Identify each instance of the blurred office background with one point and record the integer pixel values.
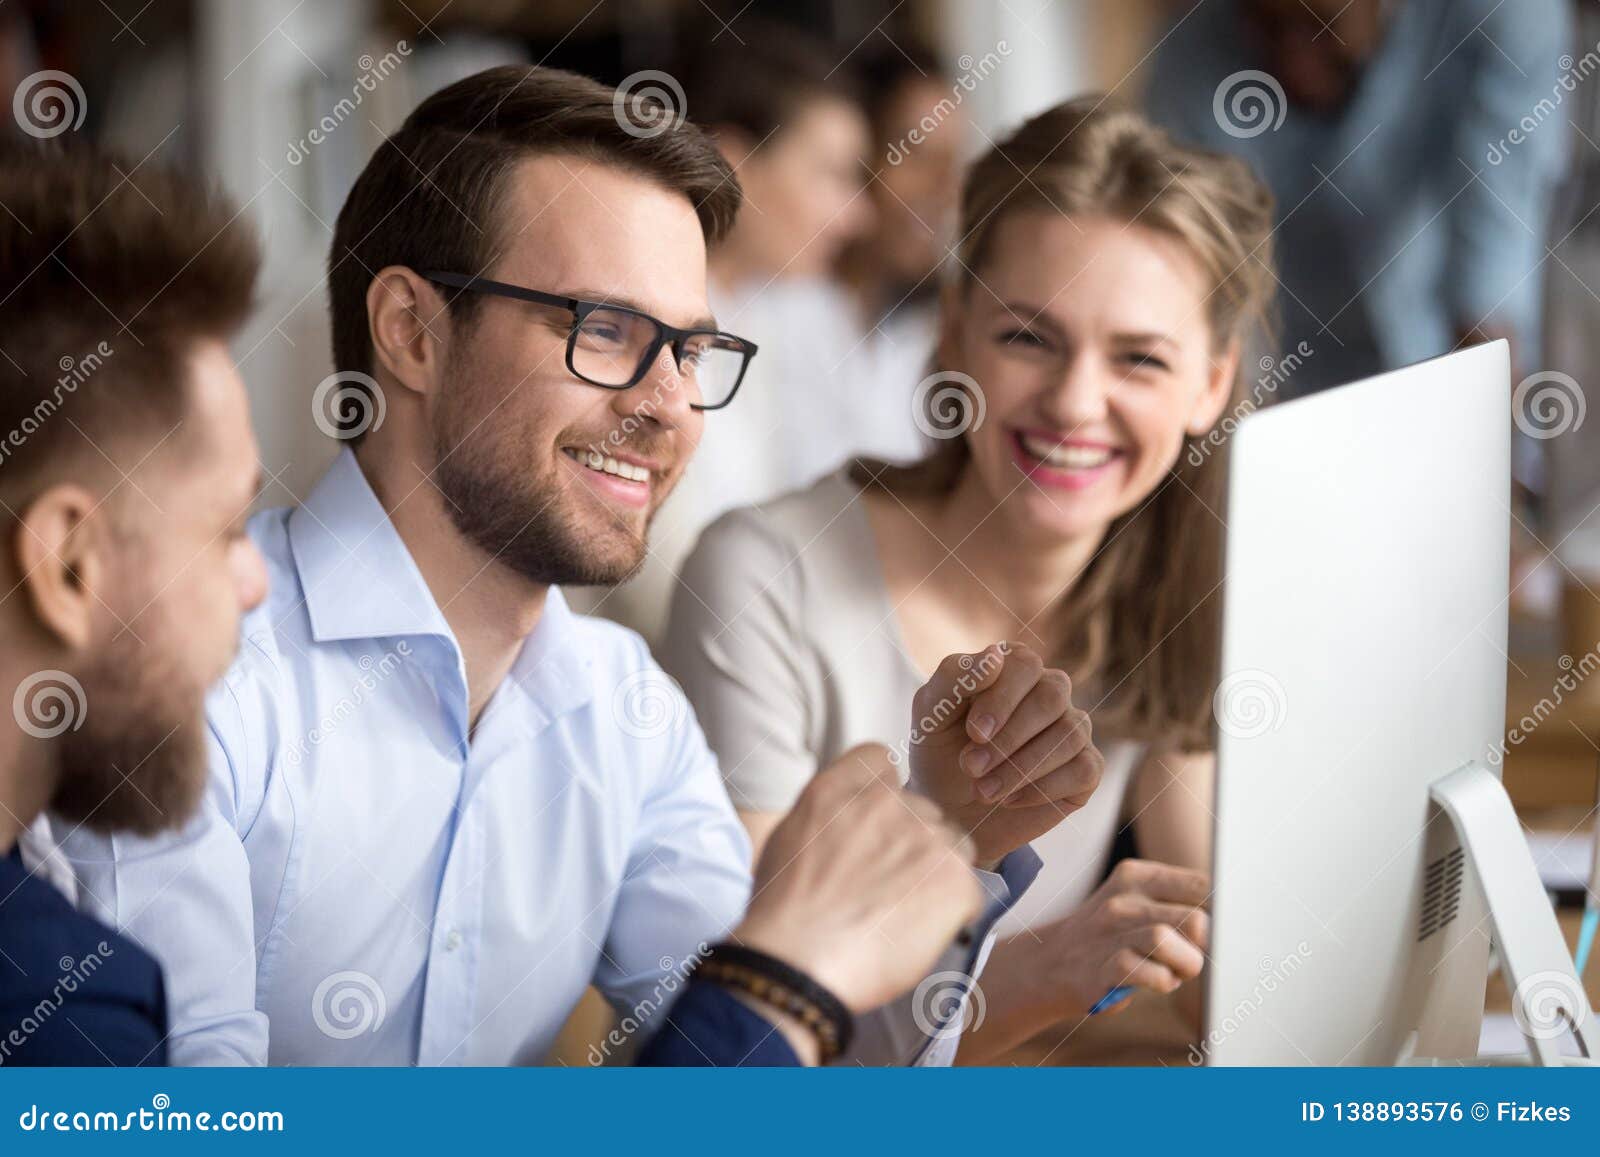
(236, 87)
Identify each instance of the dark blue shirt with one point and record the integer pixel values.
(709, 1027)
(72, 991)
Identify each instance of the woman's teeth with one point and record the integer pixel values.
(1066, 457)
(595, 460)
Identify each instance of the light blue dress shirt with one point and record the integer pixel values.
(379, 889)
(369, 884)
(1408, 212)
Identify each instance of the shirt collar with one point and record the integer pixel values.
(360, 582)
(358, 578)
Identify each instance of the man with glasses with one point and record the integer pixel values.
(442, 804)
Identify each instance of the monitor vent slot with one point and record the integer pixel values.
(1441, 892)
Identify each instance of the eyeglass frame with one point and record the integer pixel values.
(581, 308)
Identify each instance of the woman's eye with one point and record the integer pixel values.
(1144, 361)
(1021, 337)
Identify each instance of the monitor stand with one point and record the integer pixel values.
(1547, 996)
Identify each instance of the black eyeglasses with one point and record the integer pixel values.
(613, 346)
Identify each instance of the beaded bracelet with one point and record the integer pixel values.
(773, 982)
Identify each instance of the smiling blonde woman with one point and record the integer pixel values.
(1108, 279)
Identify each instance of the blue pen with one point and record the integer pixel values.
(1591, 904)
(1116, 996)
(1586, 932)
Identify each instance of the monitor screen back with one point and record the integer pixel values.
(1368, 538)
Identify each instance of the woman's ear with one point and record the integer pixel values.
(405, 316)
(1213, 398)
(59, 549)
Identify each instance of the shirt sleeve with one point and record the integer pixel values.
(709, 1027)
(925, 1028)
(687, 878)
(734, 643)
(186, 899)
(1499, 223)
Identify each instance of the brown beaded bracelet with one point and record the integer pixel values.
(773, 982)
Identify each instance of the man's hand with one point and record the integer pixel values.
(997, 743)
(862, 885)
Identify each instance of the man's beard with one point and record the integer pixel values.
(500, 506)
(137, 763)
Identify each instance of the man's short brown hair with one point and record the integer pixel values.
(427, 199)
(109, 272)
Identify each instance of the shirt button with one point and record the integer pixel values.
(452, 941)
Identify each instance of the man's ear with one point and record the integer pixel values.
(406, 319)
(1213, 399)
(61, 550)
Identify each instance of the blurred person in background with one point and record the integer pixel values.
(1108, 281)
(784, 111)
(920, 131)
(1408, 221)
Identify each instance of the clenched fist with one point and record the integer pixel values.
(997, 742)
(862, 885)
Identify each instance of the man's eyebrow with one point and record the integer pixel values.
(706, 321)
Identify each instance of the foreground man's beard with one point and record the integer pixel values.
(504, 512)
(138, 763)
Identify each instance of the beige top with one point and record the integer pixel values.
(783, 635)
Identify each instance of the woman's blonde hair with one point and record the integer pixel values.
(1142, 623)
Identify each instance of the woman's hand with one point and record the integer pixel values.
(997, 742)
(1145, 926)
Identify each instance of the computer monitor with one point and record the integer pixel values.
(1363, 659)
